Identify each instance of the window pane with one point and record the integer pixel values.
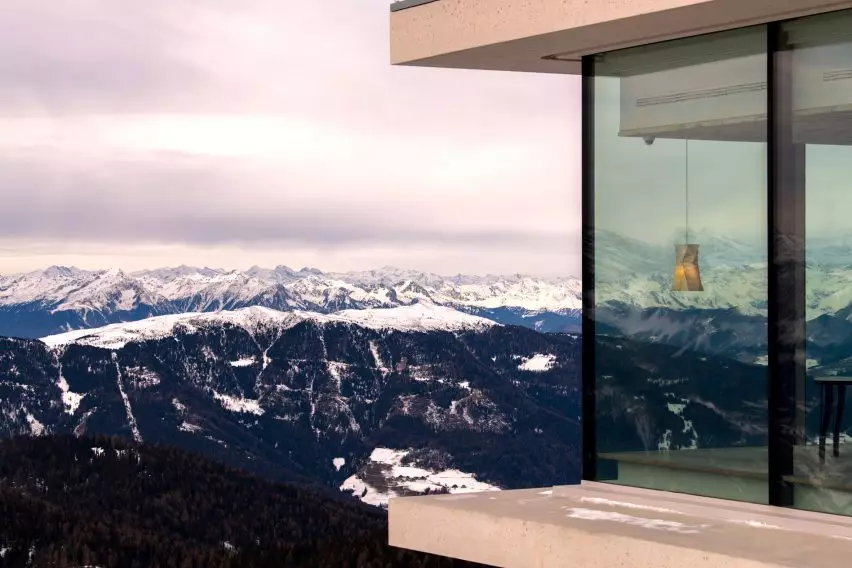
(821, 52)
(681, 265)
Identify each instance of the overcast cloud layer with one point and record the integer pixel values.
(232, 133)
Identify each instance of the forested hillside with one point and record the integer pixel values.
(68, 501)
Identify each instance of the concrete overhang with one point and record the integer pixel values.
(595, 525)
(550, 36)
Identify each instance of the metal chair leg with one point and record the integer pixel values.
(840, 406)
(827, 401)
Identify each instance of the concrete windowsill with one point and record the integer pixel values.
(596, 525)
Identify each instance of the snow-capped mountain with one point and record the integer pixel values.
(61, 299)
(311, 395)
(254, 319)
(630, 274)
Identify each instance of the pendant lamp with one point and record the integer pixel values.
(687, 275)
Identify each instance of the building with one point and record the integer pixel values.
(717, 185)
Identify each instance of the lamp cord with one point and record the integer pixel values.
(687, 193)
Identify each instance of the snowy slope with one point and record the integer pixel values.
(416, 317)
(116, 336)
(419, 317)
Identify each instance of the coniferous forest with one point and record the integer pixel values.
(108, 502)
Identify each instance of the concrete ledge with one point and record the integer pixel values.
(518, 35)
(604, 526)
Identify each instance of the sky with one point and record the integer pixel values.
(265, 132)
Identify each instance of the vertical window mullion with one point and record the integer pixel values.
(786, 240)
(589, 438)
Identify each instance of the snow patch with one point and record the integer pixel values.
(71, 400)
(626, 505)
(191, 428)
(755, 524)
(421, 374)
(374, 349)
(237, 404)
(245, 362)
(538, 363)
(653, 524)
(143, 378)
(126, 300)
(388, 474)
(417, 317)
(335, 369)
(688, 427)
(36, 427)
(80, 428)
(338, 463)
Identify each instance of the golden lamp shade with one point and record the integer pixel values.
(687, 276)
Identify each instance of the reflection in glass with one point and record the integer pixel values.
(820, 51)
(687, 276)
(680, 159)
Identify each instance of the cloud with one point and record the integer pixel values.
(271, 123)
(194, 56)
(167, 199)
(88, 56)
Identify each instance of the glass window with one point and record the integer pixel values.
(681, 265)
(820, 62)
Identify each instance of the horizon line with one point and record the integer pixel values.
(306, 270)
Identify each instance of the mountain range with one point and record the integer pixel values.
(344, 400)
(61, 299)
(392, 382)
(629, 273)
(380, 402)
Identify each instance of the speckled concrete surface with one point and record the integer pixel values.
(514, 35)
(602, 526)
